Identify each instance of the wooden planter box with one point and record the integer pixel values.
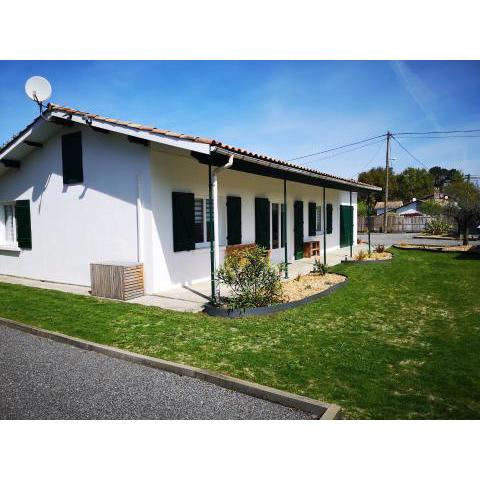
(119, 280)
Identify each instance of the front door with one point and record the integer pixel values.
(346, 225)
(298, 229)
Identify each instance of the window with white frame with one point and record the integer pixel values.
(202, 220)
(318, 219)
(7, 224)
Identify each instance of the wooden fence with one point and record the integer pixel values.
(395, 224)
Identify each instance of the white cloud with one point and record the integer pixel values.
(417, 89)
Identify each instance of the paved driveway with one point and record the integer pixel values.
(43, 379)
(389, 239)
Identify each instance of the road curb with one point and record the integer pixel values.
(322, 410)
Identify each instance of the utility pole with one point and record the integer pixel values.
(387, 171)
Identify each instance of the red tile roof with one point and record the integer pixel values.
(52, 107)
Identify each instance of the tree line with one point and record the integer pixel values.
(411, 183)
(463, 204)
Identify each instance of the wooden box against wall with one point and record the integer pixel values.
(120, 280)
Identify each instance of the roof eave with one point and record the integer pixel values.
(292, 168)
(132, 131)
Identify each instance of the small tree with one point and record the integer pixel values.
(362, 208)
(431, 208)
(463, 206)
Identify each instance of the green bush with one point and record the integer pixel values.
(431, 208)
(253, 280)
(437, 226)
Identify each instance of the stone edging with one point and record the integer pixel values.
(364, 262)
(324, 411)
(435, 249)
(278, 307)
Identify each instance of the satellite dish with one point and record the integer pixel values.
(38, 89)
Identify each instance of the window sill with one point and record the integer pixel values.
(9, 248)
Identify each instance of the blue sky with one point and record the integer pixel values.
(285, 109)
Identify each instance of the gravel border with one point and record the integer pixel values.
(322, 410)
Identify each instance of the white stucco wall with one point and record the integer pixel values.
(75, 225)
(179, 172)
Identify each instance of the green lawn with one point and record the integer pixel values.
(401, 340)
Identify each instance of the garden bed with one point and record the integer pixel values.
(296, 292)
(372, 258)
(440, 248)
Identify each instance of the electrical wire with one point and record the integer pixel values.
(337, 148)
(328, 157)
(445, 136)
(420, 135)
(411, 154)
(373, 158)
(432, 133)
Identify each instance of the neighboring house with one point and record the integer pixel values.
(380, 206)
(77, 188)
(414, 207)
(410, 209)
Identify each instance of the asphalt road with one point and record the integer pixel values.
(43, 379)
(388, 239)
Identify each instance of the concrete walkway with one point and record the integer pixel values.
(43, 379)
(61, 287)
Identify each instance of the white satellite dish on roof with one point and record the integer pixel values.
(38, 89)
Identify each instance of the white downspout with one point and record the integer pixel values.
(215, 208)
(139, 220)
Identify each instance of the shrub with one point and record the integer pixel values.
(437, 226)
(361, 255)
(319, 268)
(253, 281)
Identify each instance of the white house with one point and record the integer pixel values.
(410, 209)
(77, 188)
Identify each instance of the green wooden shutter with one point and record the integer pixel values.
(262, 222)
(24, 227)
(72, 158)
(298, 229)
(183, 206)
(346, 225)
(329, 217)
(234, 220)
(312, 219)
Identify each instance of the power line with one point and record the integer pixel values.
(404, 134)
(373, 158)
(342, 153)
(337, 148)
(445, 136)
(432, 133)
(411, 154)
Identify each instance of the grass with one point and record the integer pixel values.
(401, 340)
